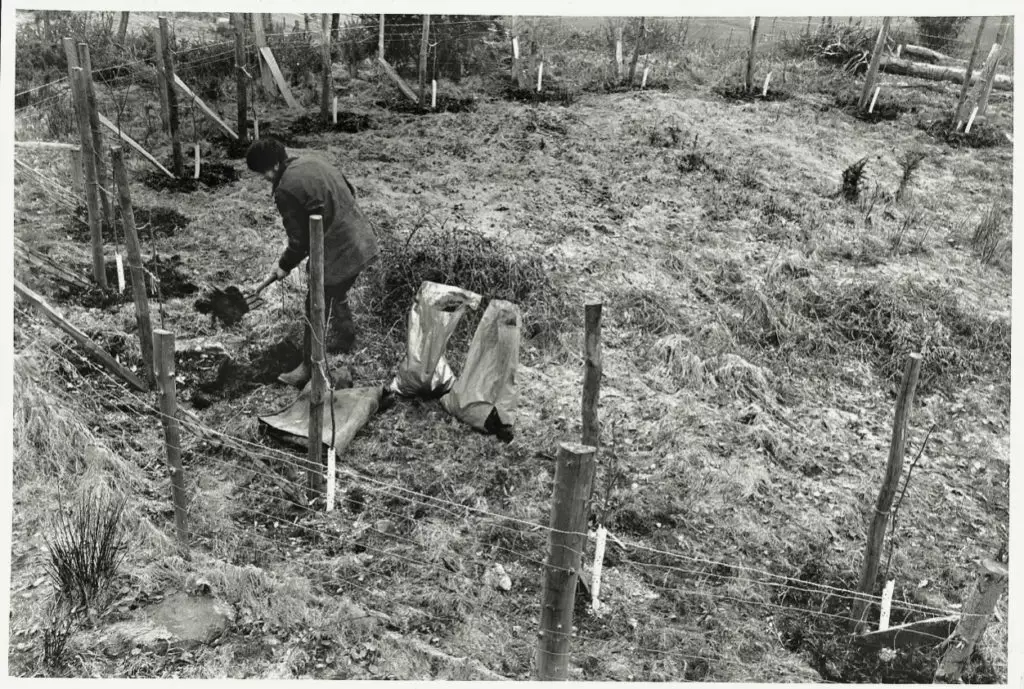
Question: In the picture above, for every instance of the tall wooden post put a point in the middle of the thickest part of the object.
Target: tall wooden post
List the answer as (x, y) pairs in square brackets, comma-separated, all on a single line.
[(178, 158), (876, 57), (748, 77), (131, 242), (959, 115), (102, 179), (570, 509), (91, 192), (241, 85), (326, 78), (990, 75), (591, 372), (161, 81), (516, 67), (893, 469), (122, 28), (260, 36), (619, 62), (163, 341), (75, 158), (424, 52), (641, 39), (977, 610), (317, 359), (380, 40)]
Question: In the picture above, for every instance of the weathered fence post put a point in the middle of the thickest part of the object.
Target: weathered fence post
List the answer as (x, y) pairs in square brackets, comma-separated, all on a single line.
[(748, 77), (99, 273), (424, 52), (619, 66), (570, 509), (990, 76), (131, 241), (380, 40), (238, 19), (894, 467), (161, 80), (102, 179), (978, 608), (326, 78), (516, 69), (876, 57), (163, 341), (122, 28), (958, 114), (259, 35), (172, 99), (75, 161), (641, 39), (591, 372), (317, 359)]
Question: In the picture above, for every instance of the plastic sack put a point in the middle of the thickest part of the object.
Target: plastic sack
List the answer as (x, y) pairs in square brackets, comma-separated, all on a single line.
[(432, 319), (353, 407), (485, 394)]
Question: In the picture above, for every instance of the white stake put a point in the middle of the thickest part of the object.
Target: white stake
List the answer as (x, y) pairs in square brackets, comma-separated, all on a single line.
[(595, 581), (515, 47), (197, 162), (334, 115), (433, 94), (883, 620), (871, 108), (970, 121), (764, 90), (255, 128), (753, 21), (643, 82), (120, 271), (898, 49), (332, 465), (540, 76)]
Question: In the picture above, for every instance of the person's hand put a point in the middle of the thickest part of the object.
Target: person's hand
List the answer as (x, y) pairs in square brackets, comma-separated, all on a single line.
[(276, 273)]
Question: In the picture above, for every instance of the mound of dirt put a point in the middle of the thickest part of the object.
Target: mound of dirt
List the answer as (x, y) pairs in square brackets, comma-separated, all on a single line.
[(211, 175), (982, 135), (739, 93), (212, 374), (174, 282), (444, 104), (351, 122), (550, 94)]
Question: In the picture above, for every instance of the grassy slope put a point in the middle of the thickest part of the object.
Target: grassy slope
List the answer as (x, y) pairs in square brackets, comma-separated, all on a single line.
[(733, 445)]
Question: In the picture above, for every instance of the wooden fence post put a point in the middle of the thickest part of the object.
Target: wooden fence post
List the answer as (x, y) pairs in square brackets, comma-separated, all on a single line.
[(986, 88), (326, 78), (424, 52), (317, 359), (75, 161), (162, 85), (178, 158), (988, 589), (591, 372), (570, 509), (238, 19), (748, 77), (619, 62), (99, 273), (958, 114), (122, 28), (131, 241), (516, 68), (380, 40), (894, 467), (102, 179), (876, 57), (641, 39), (163, 341), (260, 36)]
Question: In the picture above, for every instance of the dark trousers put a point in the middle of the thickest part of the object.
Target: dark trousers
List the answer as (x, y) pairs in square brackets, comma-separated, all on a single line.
[(340, 333)]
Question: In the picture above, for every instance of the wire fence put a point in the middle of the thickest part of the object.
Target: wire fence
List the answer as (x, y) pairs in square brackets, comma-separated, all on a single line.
[(273, 501)]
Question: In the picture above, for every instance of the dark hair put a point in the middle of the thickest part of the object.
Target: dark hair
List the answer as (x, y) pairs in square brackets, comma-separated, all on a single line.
[(264, 154)]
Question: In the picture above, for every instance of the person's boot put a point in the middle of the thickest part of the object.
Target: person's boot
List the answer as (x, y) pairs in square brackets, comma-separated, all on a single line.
[(299, 377)]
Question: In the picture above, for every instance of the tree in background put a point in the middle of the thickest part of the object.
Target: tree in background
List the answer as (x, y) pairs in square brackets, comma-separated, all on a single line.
[(940, 33)]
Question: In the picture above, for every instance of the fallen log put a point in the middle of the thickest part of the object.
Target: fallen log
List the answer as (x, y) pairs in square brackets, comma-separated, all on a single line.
[(932, 56), (83, 340), (894, 65)]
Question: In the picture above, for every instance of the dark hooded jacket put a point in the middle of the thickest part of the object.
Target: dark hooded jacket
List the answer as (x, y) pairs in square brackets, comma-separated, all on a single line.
[(307, 186)]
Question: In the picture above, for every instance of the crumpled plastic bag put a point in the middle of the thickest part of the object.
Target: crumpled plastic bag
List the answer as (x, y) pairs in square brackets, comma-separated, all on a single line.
[(424, 372), (353, 408), (485, 396)]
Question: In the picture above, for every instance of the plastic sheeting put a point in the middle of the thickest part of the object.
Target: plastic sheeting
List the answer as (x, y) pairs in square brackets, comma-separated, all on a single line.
[(484, 396), (353, 407), (432, 319)]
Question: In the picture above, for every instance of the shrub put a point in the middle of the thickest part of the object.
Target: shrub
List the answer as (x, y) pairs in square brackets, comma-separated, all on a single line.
[(989, 234), (939, 33), (87, 545), (844, 45)]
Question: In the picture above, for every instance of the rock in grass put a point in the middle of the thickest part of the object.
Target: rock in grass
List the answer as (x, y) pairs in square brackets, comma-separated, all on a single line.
[(497, 578)]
